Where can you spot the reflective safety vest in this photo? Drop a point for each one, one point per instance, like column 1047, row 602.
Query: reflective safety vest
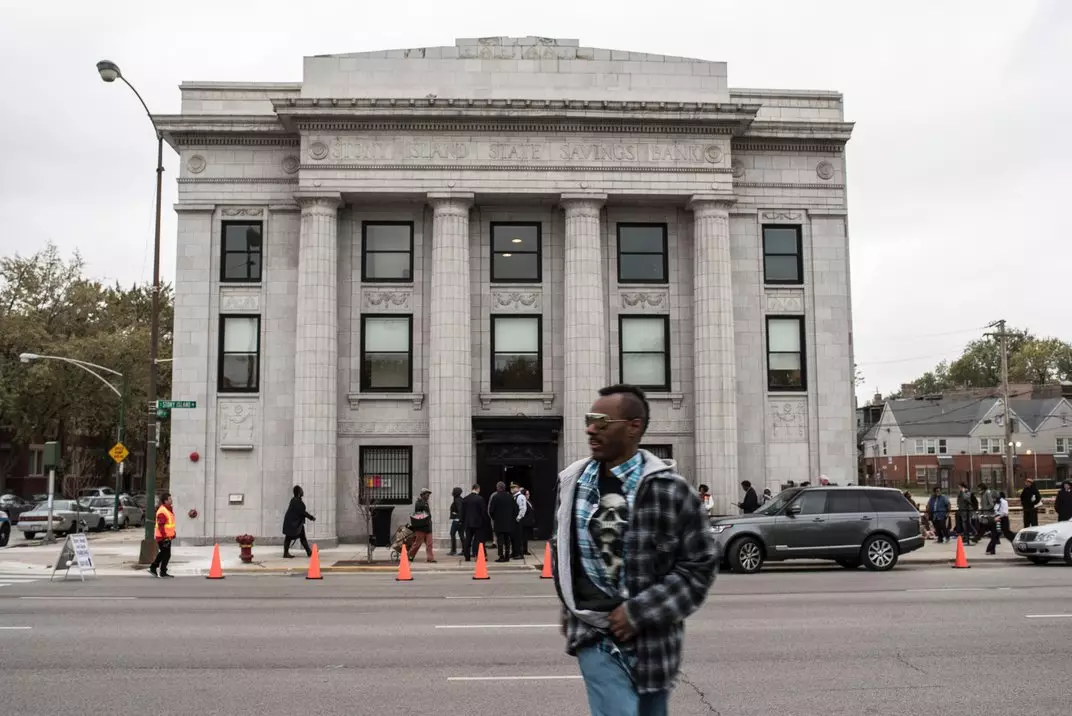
column 169, row 526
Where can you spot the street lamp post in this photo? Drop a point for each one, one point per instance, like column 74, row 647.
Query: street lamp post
column 109, row 72
column 92, row 369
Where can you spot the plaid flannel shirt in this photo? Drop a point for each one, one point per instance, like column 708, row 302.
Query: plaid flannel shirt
column 671, row 559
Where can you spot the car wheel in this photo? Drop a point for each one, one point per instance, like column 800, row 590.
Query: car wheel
column 1038, row 560
column 29, row 535
column 879, row 553
column 746, row 556
column 849, row 563
column 5, row 535
column 1068, row 552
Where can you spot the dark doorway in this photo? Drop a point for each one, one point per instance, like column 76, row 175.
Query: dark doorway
column 522, row 450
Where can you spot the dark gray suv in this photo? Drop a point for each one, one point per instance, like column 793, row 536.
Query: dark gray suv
column 871, row 526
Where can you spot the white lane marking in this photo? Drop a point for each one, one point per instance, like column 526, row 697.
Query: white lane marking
column 1048, row 616
column 83, row 599
column 952, row 589
column 513, row 678
column 497, row 626
column 523, row 596
column 7, row 628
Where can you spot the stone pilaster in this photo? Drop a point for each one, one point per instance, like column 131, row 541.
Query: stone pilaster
column 316, row 360
column 450, row 380
column 585, row 346
column 715, row 399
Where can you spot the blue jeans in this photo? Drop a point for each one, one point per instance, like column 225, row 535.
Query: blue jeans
column 610, row 687
column 456, row 532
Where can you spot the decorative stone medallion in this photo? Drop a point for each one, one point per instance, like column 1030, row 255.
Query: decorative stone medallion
column 825, row 170
column 196, row 164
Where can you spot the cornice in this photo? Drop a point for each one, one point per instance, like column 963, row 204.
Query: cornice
column 748, row 144
column 309, row 106
column 237, row 180
column 505, row 125
column 515, row 168
column 784, row 185
column 800, row 130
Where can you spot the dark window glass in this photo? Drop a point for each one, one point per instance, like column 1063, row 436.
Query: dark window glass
column 811, row 502
column 785, row 354
column 516, row 353
column 388, row 251
column 642, row 253
column 241, row 260
column 386, row 475
column 515, row 253
column 645, row 354
column 663, row 452
column 782, row 258
column 846, row 501
column 240, row 353
column 889, row 501
column 386, row 353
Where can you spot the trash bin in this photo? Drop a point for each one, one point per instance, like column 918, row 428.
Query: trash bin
column 381, row 525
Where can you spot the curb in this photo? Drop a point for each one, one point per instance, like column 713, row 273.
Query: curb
column 370, row 569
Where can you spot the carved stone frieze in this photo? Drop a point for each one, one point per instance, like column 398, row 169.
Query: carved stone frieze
column 239, row 300
column 398, row 428
column 785, row 301
column 242, row 211
column 387, row 300
column 236, row 424
column 782, row 217
column 520, row 301
column 649, row 301
column 789, row 420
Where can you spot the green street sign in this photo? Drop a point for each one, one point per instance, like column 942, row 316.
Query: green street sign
column 172, row 404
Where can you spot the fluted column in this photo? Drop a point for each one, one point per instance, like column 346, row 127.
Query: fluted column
column 316, row 360
column 585, row 318
column 450, row 380
column 715, row 400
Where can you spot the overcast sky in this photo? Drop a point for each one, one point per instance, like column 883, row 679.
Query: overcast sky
column 958, row 166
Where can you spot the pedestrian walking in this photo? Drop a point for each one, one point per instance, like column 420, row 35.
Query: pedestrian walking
column 987, row 499
column 294, row 524
column 528, row 523
column 1063, row 503
column 502, row 509
column 457, row 529
column 938, row 513
column 421, row 524
column 766, row 497
column 706, row 500
column 999, row 523
column 164, row 533
column 964, row 514
column 1030, row 499
column 751, row 500
column 625, row 596
column 517, row 537
column 474, row 518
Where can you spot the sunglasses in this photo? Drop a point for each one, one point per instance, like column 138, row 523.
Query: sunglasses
column 601, row 422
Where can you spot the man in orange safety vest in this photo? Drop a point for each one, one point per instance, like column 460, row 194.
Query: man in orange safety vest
column 165, row 532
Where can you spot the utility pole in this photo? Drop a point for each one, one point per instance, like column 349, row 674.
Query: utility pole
column 1003, row 336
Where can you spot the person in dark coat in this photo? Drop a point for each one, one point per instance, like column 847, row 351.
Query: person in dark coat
column 1063, row 503
column 1030, row 499
column 457, row 529
column 294, row 524
column 751, row 499
column 474, row 516
column 502, row 508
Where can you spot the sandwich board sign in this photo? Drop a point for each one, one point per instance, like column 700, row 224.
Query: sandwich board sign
column 75, row 553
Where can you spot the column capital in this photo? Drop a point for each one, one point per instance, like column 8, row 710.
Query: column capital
column 460, row 199
column 711, row 203
column 318, row 200
column 582, row 202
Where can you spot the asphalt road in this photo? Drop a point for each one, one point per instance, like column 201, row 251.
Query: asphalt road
column 792, row 642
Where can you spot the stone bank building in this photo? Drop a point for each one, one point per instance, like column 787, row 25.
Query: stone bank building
column 416, row 267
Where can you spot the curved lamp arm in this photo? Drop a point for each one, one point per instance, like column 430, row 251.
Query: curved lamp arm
column 88, row 367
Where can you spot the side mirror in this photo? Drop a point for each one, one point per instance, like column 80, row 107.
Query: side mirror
column 793, row 510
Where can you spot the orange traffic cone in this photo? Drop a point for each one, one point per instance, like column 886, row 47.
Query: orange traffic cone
column 546, row 574
column 481, row 571
column 216, row 570
column 314, row 565
column 404, row 575
column 961, row 562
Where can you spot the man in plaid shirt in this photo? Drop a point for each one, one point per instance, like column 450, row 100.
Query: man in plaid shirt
column 633, row 555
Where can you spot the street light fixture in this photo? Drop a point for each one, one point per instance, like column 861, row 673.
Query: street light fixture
column 109, row 72
column 92, row 369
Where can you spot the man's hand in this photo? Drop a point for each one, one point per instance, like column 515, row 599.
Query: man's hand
column 620, row 626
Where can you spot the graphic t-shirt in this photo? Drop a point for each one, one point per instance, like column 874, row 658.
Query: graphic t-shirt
column 607, row 529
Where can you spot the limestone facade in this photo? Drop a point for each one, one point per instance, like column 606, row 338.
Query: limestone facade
column 415, row 267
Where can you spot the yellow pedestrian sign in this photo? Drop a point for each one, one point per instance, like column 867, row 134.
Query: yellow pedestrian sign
column 119, row 452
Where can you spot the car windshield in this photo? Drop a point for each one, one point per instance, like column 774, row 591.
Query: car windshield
column 779, row 502
column 61, row 505
column 100, row 502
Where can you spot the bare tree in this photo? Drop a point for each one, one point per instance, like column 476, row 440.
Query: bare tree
column 81, row 472
column 365, row 505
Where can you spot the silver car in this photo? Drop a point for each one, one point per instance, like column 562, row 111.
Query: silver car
column 871, row 526
column 129, row 512
column 67, row 516
column 1042, row 544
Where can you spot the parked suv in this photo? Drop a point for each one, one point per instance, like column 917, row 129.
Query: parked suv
column 872, row 526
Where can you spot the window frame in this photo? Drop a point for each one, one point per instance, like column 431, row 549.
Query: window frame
column 802, row 325
column 652, row 447
column 943, row 446
column 1062, row 445
column 365, row 278
column 361, row 472
column 222, row 330
column 364, row 384
column 799, row 254
column 539, row 351
column 539, row 251
column 665, row 252
column 224, row 252
column 622, row 318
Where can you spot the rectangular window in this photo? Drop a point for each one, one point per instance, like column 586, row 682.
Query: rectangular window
column 785, row 353
column 932, row 447
column 919, row 446
column 783, row 259
column 663, row 452
column 516, row 353
column 1064, row 445
column 386, row 475
column 644, row 351
column 884, row 449
column 387, row 251
column 240, row 354
column 387, row 353
column 515, row 253
column 942, row 447
column 990, row 446
column 37, row 462
column 642, row 253
column 241, row 260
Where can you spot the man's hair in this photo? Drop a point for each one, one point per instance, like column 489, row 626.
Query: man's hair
column 636, row 402
column 704, row 487
column 500, row 486
column 746, row 484
column 164, row 497
column 475, row 488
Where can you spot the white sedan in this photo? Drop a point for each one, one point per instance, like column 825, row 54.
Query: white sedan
column 1042, row 544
